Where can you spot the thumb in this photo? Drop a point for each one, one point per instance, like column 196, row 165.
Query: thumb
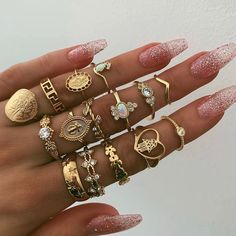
column 88, row 220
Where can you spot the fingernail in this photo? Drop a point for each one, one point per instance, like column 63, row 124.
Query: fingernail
column 112, row 224
column 87, row 50
column 211, row 62
column 217, row 103
column 162, row 53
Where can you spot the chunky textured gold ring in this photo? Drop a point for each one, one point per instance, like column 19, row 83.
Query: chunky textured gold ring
column 79, row 82
column 148, row 94
column 75, row 128
column 97, row 119
column 122, row 110
column 22, row 106
column 148, row 145
column 45, row 134
column 72, row 178
column 95, row 189
column 167, row 88
column 99, row 68
column 52, row 95
column 179, row 130
column 120, row 174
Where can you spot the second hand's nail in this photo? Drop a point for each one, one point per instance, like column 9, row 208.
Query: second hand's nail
column 217, row 103
column 87, row 50
column 162, row 53
column 112, row 224
column 211, row 62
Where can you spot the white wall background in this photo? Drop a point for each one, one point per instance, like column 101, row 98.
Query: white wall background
column 193, row 192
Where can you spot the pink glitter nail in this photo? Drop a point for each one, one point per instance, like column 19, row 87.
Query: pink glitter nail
column 162, row 53
column 112, row 224
column 211, row 62
column 218, row 103
column 87, row 50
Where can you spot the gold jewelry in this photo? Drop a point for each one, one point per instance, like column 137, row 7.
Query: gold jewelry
column 179, row 130
column 122, row 110
column 95, row 189
column 97, row 119
column 100, row 68
column 75, row 128
column 72, row 178
column 78, row 82
column 120, row 174
column 167, row 88
column 147, row 93
column 52, row 95
column 22, row 106
column 151, row 149
column 45, row 134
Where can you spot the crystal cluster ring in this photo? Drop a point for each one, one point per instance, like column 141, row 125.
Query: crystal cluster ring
column 122, row 110
column 148, row 94
column 45, row 134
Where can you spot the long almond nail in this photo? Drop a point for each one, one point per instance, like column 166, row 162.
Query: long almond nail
column 112, row 224
column 162, row 53
column 211, row 62
column 218, row 103
column 87, row 50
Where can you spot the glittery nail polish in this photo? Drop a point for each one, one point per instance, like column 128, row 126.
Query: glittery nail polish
column 112, row 224
column 217, row 103
column 87, row 50
column 162, row 53
column 211, row 62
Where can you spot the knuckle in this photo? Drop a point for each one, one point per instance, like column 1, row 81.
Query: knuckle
column 45, row 62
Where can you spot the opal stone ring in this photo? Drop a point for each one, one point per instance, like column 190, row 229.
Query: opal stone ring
column 122, row 110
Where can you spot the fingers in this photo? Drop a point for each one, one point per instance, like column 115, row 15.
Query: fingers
column 187, row 117
column 29, row 74
column 124, row 68
column 181, row 83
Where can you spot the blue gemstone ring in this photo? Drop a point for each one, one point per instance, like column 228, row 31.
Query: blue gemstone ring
column 122, row 110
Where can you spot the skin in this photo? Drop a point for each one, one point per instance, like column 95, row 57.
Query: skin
column 25, row 167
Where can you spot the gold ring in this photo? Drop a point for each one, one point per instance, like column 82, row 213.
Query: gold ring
column 148, row 93
column 97, row 119
column 179, row 130
column 120, row 174
column 148, row 145
column 79, row 82
column 45, row 134
column 52, row 95
column 75, row 128
column 22, row 106
column 122, row 110
column 72, row 178
column 100, row 68
column 167, row 88
column 95, row 189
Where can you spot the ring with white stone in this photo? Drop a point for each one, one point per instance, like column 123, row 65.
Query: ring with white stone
column 95, row 189
column 148, row 94
column 45, row 134
column 179, row 130
column 97, row 69
column 122, row 110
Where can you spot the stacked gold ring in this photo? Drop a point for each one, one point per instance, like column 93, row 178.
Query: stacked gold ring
column 52, row 95
column 179, row 130
column 72, row 178
column 167, row 88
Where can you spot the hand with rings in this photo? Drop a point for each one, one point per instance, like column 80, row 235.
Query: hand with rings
column 46, row 160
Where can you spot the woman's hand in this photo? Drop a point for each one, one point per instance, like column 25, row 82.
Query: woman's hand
column 32, row 183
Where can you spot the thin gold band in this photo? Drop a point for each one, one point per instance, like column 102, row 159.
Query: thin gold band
column 167, row 88
column 72, row 178
column 52, row 95
column 179, row 130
